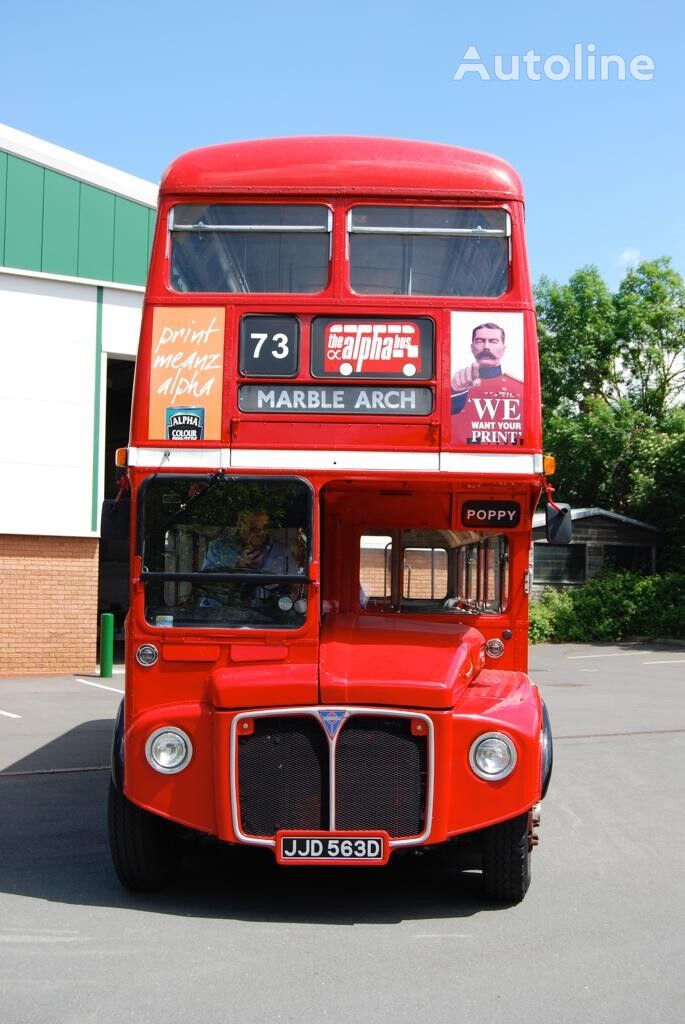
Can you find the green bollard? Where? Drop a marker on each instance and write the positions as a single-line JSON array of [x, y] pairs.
[[106, 644]]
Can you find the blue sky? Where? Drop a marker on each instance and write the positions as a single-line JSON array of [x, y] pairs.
[[135, 84]]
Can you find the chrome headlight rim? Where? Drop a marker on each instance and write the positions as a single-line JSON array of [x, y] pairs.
[[505, 772], [176, 731]]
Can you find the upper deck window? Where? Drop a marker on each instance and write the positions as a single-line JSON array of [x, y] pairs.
[[222, 247], [410, 250]]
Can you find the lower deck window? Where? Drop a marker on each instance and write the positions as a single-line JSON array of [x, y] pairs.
[[433, 571]]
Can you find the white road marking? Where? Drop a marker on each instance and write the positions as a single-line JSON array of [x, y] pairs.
[[44, 938], [9, 714], [618, 654], [671, 661], [100, 686]]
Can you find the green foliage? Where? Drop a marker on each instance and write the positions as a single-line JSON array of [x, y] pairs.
[[628, 345], [598, 453], [576, 336], [613, 384], [610, 607], [650, 335]]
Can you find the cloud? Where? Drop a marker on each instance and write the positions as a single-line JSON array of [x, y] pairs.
[[628, 258]]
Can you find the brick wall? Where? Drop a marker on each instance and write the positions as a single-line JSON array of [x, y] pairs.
[[48, 604], [375, 577]]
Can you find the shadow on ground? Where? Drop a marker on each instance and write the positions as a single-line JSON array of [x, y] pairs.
[[53, 846]]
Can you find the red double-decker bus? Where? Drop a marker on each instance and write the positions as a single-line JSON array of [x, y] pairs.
[[335, 456]]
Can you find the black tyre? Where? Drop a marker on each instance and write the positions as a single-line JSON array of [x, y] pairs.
[[506, 859], [144, 847]]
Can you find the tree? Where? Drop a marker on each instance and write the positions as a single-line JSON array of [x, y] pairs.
[[577, 338], [600, 453], [650, 336], [613, 384]]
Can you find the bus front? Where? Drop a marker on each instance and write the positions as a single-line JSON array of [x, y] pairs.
[[335, 456]]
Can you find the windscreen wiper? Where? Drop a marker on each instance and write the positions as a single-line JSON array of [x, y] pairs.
[[185, 505]]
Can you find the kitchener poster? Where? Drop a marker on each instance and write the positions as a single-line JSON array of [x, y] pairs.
[[486, 389]]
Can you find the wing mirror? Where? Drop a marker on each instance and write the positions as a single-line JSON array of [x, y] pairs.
[[114, 529], [559, 528]]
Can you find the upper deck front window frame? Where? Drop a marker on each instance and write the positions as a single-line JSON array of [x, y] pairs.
[[239, 274]]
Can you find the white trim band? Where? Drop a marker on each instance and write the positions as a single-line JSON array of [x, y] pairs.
[[389, 462], [491, 462], [176, 458], [89, 282], [346, 461]]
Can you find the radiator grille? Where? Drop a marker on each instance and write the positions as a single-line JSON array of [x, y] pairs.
[[283, 774], [381, 774]]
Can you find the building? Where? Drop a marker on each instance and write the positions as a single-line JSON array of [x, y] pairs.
[[601, 540], [75, 237]]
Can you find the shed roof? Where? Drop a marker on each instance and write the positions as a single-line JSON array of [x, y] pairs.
[[586, 513]]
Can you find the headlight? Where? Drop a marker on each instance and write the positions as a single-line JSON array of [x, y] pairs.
[[168, 750], [492, 756], [146, 655]]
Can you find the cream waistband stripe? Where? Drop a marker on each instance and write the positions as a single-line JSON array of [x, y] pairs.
[[327, 459]]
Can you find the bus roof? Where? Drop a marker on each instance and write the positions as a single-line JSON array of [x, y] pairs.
[[332, 165]]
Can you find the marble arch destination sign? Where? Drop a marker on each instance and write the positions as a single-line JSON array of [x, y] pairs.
[[346, 400]]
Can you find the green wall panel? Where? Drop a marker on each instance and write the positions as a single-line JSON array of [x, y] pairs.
[[3, 204], [24, 214], [151, 224], [96, 234], [130, 242], [60, 224], [56, 224]]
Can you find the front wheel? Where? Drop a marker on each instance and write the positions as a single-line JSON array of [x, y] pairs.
[[144, 847], [506, 859]]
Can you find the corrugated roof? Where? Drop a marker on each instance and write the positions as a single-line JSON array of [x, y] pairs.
[[585, 513]]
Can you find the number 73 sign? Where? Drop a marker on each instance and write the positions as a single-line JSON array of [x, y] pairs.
[[269, 346]]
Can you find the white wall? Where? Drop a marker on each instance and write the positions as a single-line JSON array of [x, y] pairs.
[[121, 317], [48, 347]]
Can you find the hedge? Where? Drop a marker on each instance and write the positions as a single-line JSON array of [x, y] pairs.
[[610, 607]]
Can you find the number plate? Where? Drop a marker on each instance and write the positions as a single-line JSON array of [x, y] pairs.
[[332, 848]]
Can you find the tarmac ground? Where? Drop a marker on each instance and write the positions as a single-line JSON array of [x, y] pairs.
[[599, 937]]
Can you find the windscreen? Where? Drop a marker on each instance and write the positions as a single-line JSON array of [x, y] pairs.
[[231, 247], [413, 250], [225, 552]]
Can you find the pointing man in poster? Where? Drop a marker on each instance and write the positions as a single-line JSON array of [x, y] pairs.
[[486, 403]]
